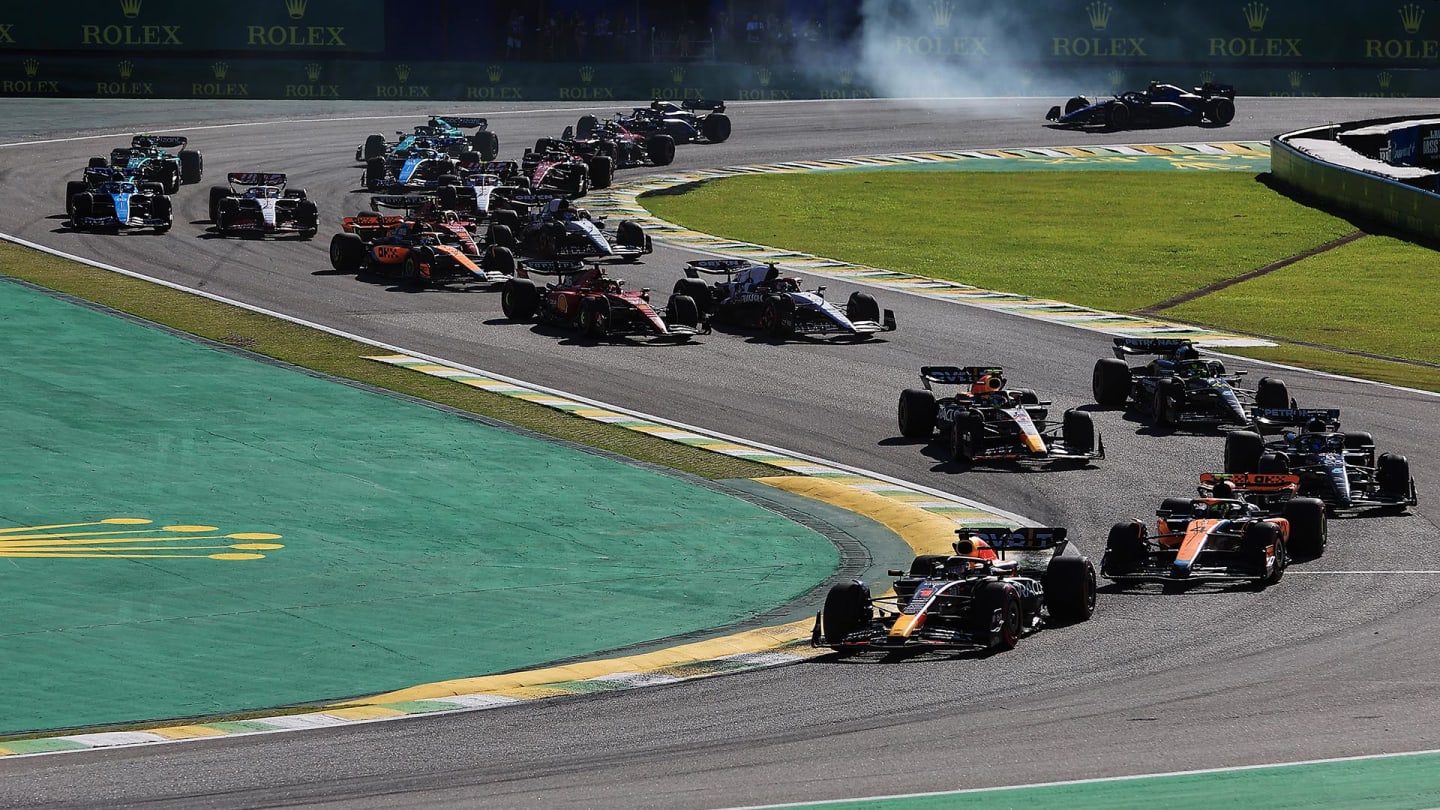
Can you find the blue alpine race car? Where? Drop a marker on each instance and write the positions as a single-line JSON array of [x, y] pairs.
[[121, 203], [1160, 105]]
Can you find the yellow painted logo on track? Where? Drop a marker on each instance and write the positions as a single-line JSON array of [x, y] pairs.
[[67, 541]]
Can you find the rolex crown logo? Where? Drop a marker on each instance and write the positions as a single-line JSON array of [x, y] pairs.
[[32, 66], [1207, 76], [1255, 14], [677, 74], [943, 11], [295, 8], [1099, 12], [1296, 77], [763, 76], [220, 69], [312, 71], [1117, 77], [1410, 17], [587, 74], [1384, 79], [130, 8], [846, 78], [494, 72], [126, 68], [402, 72]]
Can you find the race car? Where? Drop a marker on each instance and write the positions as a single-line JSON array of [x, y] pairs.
[[684, 122], [554, 166], [423, 247], [1224, 539], [420, 168], [146, 160], [258, 203], [550, 227], [96, 173], [756, 296], [442, 132], [1341, 469], [481, 190], [974, 600], [586, 299], [1178, 387], [122, 203], [984, 421], [626, 149], [1159, 105]]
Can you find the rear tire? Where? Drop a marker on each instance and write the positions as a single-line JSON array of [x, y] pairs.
[[715, 127], [602, 171], [217, 193], [1110, 382], [1070, 589], [630, 234], [347, 252], [1243, 449], [1271, 392], [697, 290], [916, 413], [192, 167]]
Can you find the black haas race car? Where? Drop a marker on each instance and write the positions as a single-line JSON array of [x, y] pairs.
[[1179, 388], [973, 600], [756, 296], [1159, 105], [625, 148], [555, 166], [1218, 539], [984, 421], [597, 305], [147, 161], [258, 203], [1339, 468]]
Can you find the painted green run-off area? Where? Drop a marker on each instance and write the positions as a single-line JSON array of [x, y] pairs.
[[1386, 783], [418, 545]]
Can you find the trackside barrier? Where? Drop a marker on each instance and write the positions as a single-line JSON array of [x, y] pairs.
[[1411, 211]]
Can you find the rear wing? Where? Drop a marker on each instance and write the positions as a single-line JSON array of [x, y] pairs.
[[1127, 346], [256, 179], [957, 375], [464, 121], [702, 104], [1212, 89], [1257, 483], [716, 267], [505, 169], [406, 202], [162, 141], [549, 267], [99, 174], [1276, 419], [1022, 539]]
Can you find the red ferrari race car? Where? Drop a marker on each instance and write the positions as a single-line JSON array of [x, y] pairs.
[[598, 306]]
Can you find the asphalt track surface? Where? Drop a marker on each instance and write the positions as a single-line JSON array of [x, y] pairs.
[[1335, 661]]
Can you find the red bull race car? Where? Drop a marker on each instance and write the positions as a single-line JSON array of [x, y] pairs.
[[977, 599], [983, 421]]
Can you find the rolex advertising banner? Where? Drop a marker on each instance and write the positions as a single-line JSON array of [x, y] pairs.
[[177, 26]]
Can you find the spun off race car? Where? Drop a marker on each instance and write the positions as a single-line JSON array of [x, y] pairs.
[[974, 600], [121, 203], [983, 421], [1340, 469], [755, 296], [1159, 105], [443, 132], [421, 250], [598, 306], [690, 121], [1178, 387], [258, 203], [147, 161], [1215, 539]]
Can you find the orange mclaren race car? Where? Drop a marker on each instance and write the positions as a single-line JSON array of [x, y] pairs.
[[424, 246], [974, 599], [1215, 538]]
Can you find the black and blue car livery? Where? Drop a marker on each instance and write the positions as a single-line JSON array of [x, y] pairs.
[[1159, 105], [121, 203]]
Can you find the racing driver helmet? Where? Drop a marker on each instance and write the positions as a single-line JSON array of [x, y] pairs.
[[1223, 490]]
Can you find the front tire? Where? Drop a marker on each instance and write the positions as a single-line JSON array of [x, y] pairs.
[[847, 609], [519, 299], [916, 413]]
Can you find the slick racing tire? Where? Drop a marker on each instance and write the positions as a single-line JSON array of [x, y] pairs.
[[487, 144], [72, 189], [1243, 449], [992, 598], [519, 299], [862, 307], [98, 162], [1162, 411], [502, 236], [847, 609], [715, 127], [1117, 115], [602, 171], [1078, 431], [1076, 103], [916, 413], [499, 259], [630, 234], [697, 290], [660, 149], [375, 173], [347, 252], [773, 318], [1271, 392], [1258, 537], [595, 317], [1110, 382], [966, 439], [447, 198], [1273, 464], [684, 312], [506, 217], [1069, 589], [586, 126], [81, 207], [1220, 110], [1393, 475], [410, 273], [192, 167], [1309, 530], [374, 147], [217, 193], [1125, 548]]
